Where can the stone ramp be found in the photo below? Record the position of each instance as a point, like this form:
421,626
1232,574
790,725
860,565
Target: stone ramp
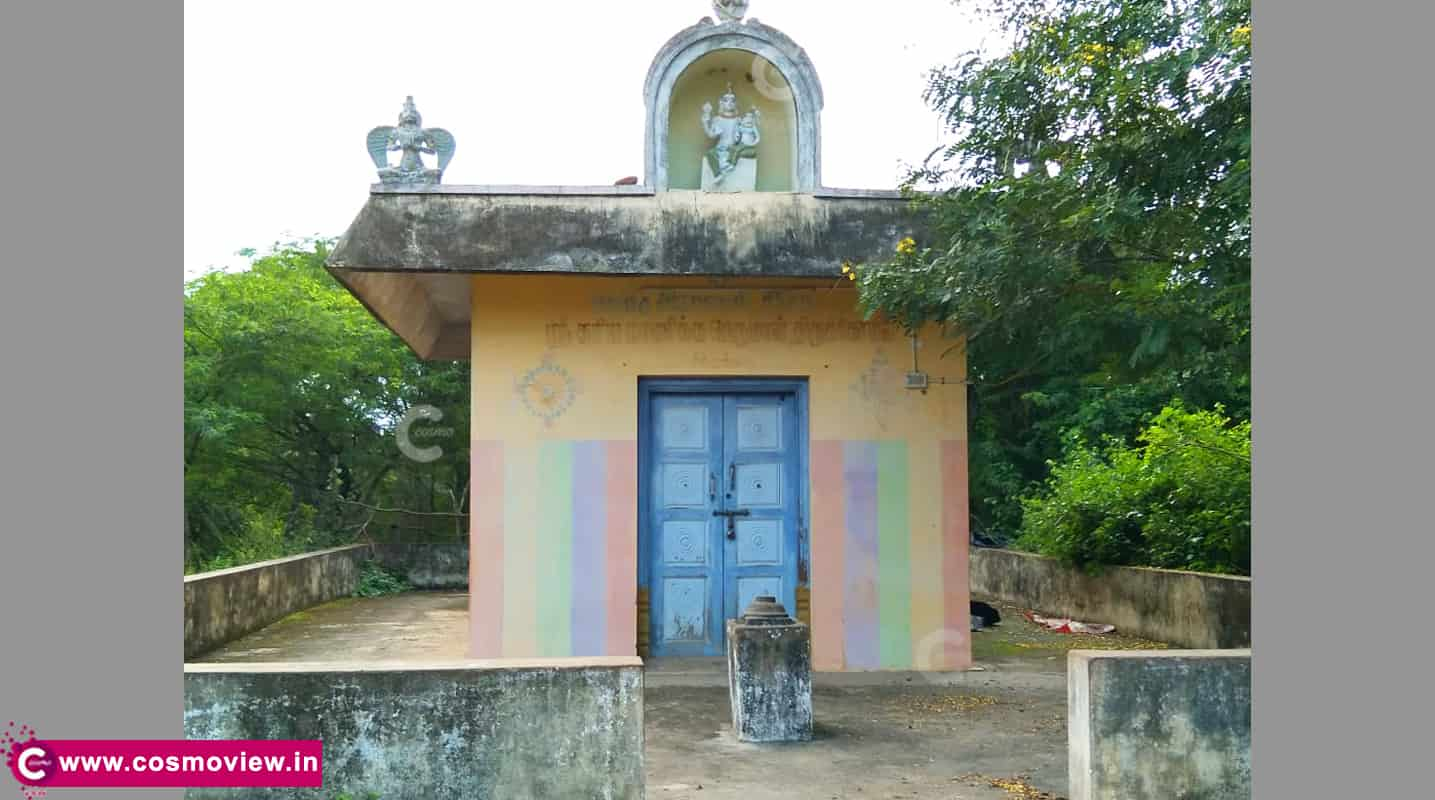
409,627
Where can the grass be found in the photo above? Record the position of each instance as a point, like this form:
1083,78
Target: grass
307,614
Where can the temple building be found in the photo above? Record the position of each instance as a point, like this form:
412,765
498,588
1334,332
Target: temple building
676,403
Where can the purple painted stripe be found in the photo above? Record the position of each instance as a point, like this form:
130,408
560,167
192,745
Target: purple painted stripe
859,601
590,547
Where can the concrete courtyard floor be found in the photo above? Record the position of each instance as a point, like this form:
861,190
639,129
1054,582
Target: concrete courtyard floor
998,731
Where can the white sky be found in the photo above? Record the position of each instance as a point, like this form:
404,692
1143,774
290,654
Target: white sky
278,96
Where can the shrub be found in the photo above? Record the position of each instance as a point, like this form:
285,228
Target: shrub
1180,498
375,581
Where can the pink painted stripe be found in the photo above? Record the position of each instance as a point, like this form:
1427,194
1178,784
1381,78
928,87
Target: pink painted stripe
957,649
622,552
828,531
485,565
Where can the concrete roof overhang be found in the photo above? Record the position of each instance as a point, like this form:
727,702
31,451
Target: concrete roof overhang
409,254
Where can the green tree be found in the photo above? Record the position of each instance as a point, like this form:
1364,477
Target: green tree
1090,227
292,392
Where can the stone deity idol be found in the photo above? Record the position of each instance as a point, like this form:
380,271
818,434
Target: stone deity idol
410,138
731,163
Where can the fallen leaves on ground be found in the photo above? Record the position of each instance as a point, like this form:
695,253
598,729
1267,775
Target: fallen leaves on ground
1049,724
948,702
1018,786
1048,639
1088,641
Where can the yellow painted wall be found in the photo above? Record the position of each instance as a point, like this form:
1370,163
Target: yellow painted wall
888,584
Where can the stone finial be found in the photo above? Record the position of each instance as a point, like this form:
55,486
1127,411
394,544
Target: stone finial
765,610
730,10
412,139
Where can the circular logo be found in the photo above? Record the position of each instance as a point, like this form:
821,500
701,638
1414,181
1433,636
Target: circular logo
423,455
936,652
769,81
34,763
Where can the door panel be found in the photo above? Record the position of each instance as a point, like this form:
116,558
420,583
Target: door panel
687,552
760,448
686,605
685,543
724,484
759,542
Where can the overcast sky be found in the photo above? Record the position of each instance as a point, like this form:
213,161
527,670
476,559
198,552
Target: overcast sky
279,94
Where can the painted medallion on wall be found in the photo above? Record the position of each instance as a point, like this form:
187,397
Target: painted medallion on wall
547,391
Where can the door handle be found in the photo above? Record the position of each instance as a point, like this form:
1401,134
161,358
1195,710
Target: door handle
712,486
731,524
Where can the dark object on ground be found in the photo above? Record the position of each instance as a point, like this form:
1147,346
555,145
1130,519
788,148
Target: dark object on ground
983,615
631,180
980,538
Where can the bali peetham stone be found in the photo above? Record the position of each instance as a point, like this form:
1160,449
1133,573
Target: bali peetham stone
770,674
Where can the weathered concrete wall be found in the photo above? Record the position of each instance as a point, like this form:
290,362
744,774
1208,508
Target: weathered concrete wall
428,566
1159,724
223,605
1187,609
622,232
561,728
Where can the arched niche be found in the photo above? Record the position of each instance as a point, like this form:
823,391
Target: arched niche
767,70
757,83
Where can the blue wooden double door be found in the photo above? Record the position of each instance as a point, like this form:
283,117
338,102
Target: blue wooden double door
723,517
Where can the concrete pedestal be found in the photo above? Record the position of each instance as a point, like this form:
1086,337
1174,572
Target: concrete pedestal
770,676
1159,724
743,177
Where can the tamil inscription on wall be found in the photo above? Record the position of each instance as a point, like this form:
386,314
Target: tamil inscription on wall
718,317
